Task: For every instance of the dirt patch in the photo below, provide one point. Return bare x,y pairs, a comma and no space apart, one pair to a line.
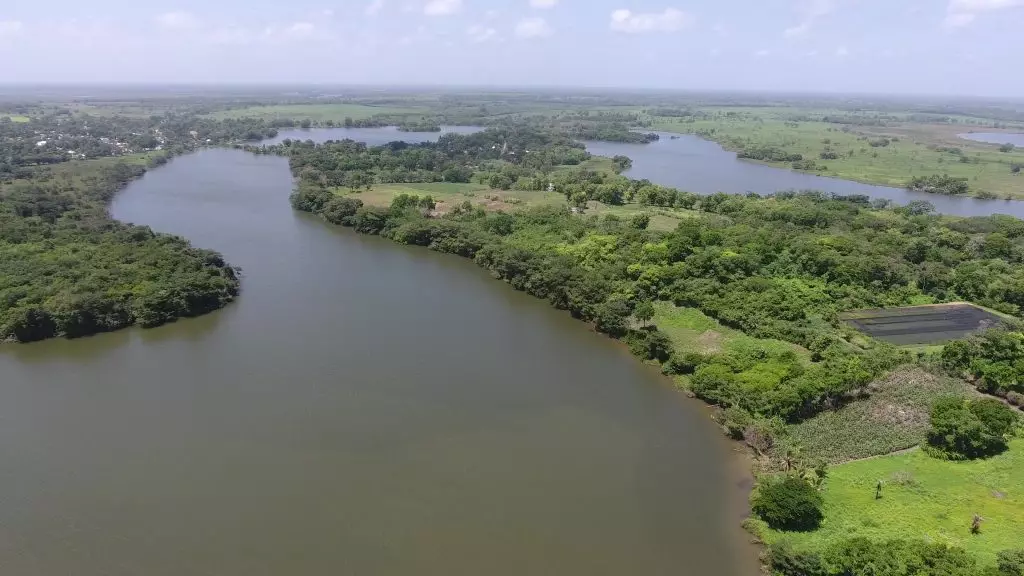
710,342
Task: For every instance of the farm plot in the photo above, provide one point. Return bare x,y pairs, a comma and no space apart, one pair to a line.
931,324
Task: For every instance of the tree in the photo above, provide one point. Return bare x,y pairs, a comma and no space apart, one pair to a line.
1008,147
969,429
644,312
788,504
640,221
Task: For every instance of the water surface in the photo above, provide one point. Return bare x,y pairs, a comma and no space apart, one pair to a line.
995,137
363,408
691,163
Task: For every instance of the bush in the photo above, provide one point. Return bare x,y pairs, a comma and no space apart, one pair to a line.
969,429
1011,562
789,504
686,363
1015,398
784,561
735,421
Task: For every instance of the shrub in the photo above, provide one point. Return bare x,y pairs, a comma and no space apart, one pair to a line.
969,429
1015,398
686,363
1011,562
788,504
784,561
735,420
998,418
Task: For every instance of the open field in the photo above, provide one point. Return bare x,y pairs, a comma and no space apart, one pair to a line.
693,331
924,498
315,112
919,149
915,325
893,417
17,118
447,195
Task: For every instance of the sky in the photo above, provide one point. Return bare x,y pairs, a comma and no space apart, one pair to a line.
942,47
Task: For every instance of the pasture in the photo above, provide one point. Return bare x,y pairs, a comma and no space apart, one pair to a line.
923,498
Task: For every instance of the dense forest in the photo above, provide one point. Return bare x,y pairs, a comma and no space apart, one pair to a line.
69,269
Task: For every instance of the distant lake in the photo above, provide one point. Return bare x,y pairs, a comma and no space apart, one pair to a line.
696,165
995,137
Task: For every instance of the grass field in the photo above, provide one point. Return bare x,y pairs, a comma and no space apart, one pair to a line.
693,331
918,151
893,417
314,112
923,498
447,195
18,118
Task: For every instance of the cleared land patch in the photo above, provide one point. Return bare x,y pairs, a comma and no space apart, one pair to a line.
930,324
447,195
893,416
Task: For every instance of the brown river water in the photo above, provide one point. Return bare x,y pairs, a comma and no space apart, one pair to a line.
363,408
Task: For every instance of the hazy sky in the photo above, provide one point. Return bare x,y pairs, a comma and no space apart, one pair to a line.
878,46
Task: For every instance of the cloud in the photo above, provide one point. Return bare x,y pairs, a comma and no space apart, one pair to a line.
962,13
958,20
299,30
492,14
842,52
810,12
670,20
442,7
374,7
10,27
478,34
533,28
798,30
543,4
177,21
982,5
761,53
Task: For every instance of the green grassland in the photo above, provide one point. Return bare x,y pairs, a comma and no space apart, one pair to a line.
314,112
916,153
924,498
693,331
448,195
17,118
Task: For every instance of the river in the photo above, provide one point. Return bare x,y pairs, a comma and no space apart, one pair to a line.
362,408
